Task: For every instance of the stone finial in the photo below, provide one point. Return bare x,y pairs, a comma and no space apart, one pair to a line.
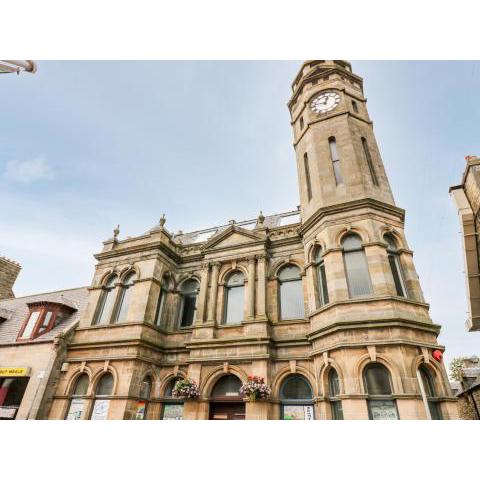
162,220
260,218
232,221
116,232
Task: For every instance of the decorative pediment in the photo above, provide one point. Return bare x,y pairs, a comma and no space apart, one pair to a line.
231,237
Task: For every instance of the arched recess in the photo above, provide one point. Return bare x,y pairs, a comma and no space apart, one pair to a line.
99,373
164,382
185,278
228,269
277,265
126,271
323,376
395,376
436,372
73,379
313,247
360,231
153,374
285,372
168,282
399,239
209,382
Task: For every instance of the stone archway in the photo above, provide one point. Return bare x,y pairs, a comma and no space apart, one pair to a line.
226,403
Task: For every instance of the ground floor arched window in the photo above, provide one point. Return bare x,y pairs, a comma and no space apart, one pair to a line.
101,403
77,403
144,397
429,393
172,408
296,398
226,403
333,395
378,386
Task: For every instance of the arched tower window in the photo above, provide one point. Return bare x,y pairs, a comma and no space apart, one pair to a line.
332,142
320,277
76,405
172,407
333,394
395,265
356,267
291,293
144,397
429,392
296,398
124,300
101,403
188,304
378,386
106,303
234,298
162,301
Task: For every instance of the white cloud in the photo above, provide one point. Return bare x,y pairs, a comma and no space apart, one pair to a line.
28,171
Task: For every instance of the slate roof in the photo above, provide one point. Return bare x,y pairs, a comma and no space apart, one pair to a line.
271,221
16,310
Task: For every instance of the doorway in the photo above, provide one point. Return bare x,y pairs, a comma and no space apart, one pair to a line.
227,411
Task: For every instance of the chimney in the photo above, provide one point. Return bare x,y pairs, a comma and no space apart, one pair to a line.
9,271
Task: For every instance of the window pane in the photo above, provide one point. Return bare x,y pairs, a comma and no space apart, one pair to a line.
337,173
382,410
296,387
146,388
106,308
357,273
394,266
160,307
30,325
333,383
81,386
289,272
169,387
46,321
428,384
351,242
105,385
234,305
337,410
322,284
124,304
291,300
189,310
435,411
235,279
368,158
377,380
227,386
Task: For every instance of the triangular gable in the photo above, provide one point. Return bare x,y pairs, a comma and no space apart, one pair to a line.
232,236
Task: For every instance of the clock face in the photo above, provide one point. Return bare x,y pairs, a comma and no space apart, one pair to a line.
325,102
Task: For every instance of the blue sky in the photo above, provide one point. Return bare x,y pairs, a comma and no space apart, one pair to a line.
87,145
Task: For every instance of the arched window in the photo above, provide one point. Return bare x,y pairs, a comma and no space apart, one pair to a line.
162,301
296,397
395,265
124,300
378,386
354,106
227,386
332,143
107,300
188,305
172,407
234,298
102,404
429,393
333,394
321,278
144,397
369,160
77,400
291,293
356,267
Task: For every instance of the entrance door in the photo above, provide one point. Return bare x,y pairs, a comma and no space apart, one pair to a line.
227,411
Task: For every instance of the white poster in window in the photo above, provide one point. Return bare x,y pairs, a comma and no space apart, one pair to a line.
298,412
100,409
383,410
7,412
76,409
173,411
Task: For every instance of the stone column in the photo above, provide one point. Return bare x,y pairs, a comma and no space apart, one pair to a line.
311,288
202,299
335,272
251,289
212,301
261,286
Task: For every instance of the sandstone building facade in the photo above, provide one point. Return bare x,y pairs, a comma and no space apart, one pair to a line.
323,302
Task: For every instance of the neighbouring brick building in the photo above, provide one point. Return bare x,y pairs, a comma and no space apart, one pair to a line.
323,302
468,389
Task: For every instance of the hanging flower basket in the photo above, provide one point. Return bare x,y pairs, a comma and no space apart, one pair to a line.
255,388
186,388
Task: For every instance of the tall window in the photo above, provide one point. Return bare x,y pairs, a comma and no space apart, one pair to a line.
378,386
106,303
188,305
307,176
291,293
356,267
101,403
77,401
162,300
429,393
32,321
296,398
234,298
333,394
395,265
321,278
354,106
335,160
124,301
142,403
369,160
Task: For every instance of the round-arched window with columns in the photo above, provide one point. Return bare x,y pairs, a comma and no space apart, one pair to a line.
378,387
103,391
296,397
356,267
320,277
291,293
234,298
76,406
